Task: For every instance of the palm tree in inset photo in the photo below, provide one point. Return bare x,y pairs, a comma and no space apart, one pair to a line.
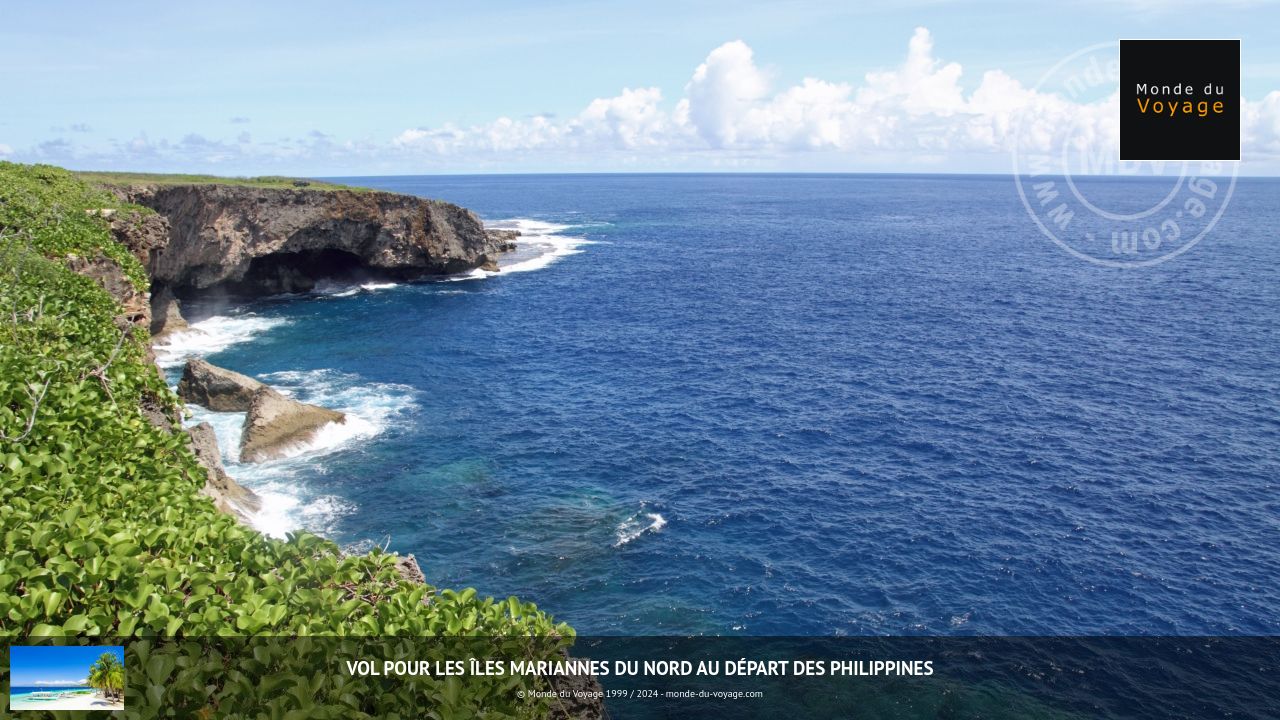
107,674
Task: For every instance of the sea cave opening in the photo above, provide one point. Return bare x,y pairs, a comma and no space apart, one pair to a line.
302,271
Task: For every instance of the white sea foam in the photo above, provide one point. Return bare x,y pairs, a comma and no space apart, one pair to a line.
284,511
476,274
528,226
286,503
212,335
637,525
226,425
544,239
540,244
369,409
375,403
331,288
341,289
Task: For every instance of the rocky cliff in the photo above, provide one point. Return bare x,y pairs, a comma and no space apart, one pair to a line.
143,236
249,241
246,241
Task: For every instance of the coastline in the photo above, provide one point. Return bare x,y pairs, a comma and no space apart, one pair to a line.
79,701
370,408
236,241
96,432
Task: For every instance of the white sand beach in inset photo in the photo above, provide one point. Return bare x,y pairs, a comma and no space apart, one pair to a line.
65,701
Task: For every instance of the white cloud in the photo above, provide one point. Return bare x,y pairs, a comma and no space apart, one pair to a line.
812,115
918,107
5,150
919,86
1261,123
630,120
729,115
723,92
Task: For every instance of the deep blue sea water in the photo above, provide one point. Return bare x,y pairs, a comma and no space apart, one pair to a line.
802,405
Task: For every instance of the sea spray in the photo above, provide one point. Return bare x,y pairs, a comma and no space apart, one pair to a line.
539,245
286,504
637,525
335,289
210,336
370,409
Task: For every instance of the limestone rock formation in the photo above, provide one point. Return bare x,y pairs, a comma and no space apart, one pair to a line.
251,241
228,495
161,412
103,270
216,388
144,234
504,240
166,314
407,566
275,422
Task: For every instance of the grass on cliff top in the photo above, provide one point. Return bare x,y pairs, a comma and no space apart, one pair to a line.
276,182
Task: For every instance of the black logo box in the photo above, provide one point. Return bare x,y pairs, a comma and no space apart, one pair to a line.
1186,68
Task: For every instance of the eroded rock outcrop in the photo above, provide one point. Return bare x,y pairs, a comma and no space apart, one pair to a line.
166,314
249,241
216,388
228,495
275,423
407,567
144,234
135,304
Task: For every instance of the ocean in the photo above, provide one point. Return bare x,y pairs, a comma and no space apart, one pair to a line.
796,405
35,695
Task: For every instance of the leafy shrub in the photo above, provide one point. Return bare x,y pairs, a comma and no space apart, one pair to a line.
58,215
103,531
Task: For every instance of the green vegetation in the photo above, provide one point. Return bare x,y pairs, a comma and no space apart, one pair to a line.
103,531
43,208
266,181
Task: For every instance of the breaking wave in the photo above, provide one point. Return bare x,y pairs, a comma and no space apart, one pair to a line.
210,336
637,525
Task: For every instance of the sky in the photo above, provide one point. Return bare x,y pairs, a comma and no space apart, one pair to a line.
340,89
40,666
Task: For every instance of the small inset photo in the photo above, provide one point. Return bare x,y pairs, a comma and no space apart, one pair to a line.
66,678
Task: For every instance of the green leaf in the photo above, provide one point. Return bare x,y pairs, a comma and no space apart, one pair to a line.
75,623
159,667
52,602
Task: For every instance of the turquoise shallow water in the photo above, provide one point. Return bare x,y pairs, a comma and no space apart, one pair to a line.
800,405
33,696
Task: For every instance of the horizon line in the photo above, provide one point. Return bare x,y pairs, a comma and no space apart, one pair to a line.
624,173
